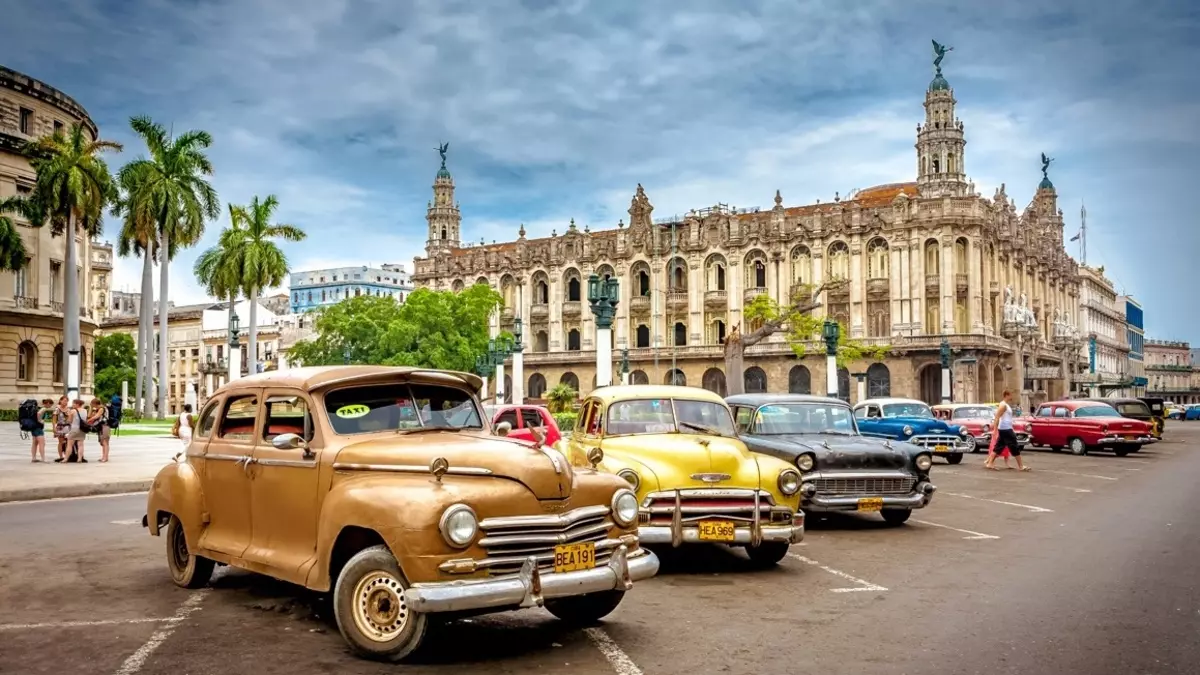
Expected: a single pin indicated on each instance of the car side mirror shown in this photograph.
(503, 428)
(292, 442)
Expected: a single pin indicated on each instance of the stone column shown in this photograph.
(948, 289)
(500, 382)
(831, 378)
(518, 376)
(209, 387)
(858, 290)
(603, 356)
(696, 287)
(896, 277)
(917, 285)
(235, 363)
(974, 283)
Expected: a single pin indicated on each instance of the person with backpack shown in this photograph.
(98, 421)
(62, 426)
(114, 412)
(30, 420)
(77, 432)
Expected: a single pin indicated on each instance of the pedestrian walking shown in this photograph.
(77, 433)
(62, 425)
(183, 426)
(98, 421)
(1006, 438)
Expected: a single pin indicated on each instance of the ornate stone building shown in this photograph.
(925, 260)
(31, 299)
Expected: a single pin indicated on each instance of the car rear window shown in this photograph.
(1137, 409)
(1095, 411)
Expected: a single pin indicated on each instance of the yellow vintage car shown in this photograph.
(696, 483)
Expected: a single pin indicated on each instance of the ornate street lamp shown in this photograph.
(235, 348)
(518, 365)
(625, 365)
(603, 297)
(830, 332)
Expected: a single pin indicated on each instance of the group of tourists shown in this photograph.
(70, 422)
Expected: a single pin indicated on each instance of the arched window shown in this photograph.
(639, 377)
(537, 385)
(541, 341)
(756, 269)
(877, 259)
(641, 277)
(714, 381)
(679, 334)
(961, 264)
(571, 278)
(457, 285)
(443, 233)
(643, 336)
(27, 362)
(714, 272)
(508, 291)
(933, 262)
(484, 281)
(605, 271)
(56, 367)
(541, 289)
(677, 275)
(570, 379)
(799, 380)
(675, 377)
(573, 340)
(716, 332)
(755, 380)
(879, 381)
(839, 261)
(801, 266)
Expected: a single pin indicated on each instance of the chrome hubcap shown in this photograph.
(380, 612)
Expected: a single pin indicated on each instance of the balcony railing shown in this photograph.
(750, 294)
(716, 299)
(677, 300)
(539, 311)
(933, 284)
(56, 306)
(961, 283)
(572, 308)
(25, 302)
(640, 304)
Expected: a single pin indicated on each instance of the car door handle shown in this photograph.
(246, 462)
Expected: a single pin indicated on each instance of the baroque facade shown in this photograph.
(926, 260)
(31, 299)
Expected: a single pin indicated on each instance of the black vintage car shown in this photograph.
(1148, 410)
(841, 470)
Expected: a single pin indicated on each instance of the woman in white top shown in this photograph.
(1006, 438)
(183, 426)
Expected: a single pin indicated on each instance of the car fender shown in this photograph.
(178, 490)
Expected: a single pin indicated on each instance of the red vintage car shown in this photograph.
(521, 420)
(1084, 426)
(977, 418)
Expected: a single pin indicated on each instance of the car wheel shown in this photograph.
(956, 458)
(972, 444)
(768, 553)
(1122, 450)
(188, 570)
(370, 609)
(1078, 447)
(896, 516)
(585, 609)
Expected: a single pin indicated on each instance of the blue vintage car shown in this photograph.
(906, 419)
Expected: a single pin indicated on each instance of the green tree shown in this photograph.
(800, 326)
(12, 247)
(220, 269)
(108, 381)
(173, 186)
(561, 398)
(115, 351)
(264, 265)
(431, 329)
(139, 236)
(72, 191)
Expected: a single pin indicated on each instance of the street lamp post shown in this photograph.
(603, 296)
(235, 347)
(830, 332)
(496, 354)
(947, 395)
(483, 367)
(518, 388)
(625, 365)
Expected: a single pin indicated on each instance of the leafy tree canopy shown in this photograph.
(108, 381)
(115, 350)
(431, 329)
(801, 328)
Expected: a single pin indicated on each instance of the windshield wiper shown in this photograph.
(834, 432)
(701, 428)
(431, 428)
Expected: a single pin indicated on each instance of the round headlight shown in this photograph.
(625, 507)
(924, 462)
(458, 525)
(789, 482)
(907, 430)
(987, 428)
(963, 432)
(631, 477)
(806, 462)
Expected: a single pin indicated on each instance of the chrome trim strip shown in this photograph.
(707, 492)
(287, 462)
(560, 520)
(225, 458)
(411, 468)
(548, 538)
(701, 509)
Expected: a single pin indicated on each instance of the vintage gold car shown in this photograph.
(387, 487)
(695, 481)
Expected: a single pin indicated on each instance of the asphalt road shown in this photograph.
(1084, 565)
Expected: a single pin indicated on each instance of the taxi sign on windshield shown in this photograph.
(351, 411)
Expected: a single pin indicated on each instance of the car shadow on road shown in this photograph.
(849, 522)
(703, 561)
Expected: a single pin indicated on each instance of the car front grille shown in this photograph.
(695, 505)
(509, 542)
(931, 441)
(864, 486)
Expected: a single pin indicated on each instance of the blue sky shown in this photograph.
(556, 110)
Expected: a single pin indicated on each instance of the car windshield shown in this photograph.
(980, 412)
(1134, 409)
(667, 416)
(400, 407)
(1095, 411)
(907, 410)
(804, 418)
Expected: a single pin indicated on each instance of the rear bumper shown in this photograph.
(919, 498)
(530, 587)
(1118, 440)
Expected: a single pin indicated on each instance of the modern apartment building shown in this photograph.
(318, 288)
(1135, 332)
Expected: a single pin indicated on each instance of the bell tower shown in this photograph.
(443, 215)
(941, 170)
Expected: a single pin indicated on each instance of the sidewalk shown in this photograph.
(133, 463)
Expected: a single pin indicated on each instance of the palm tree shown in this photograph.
(221, 268)
(72, 190)
(174, 187)
(12, 247)
(139, 236)
(265, 265)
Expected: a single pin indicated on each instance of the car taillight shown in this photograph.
(1104, 428)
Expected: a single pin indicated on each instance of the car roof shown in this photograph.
(956, 406)
(623, 392)
(1110, 401)
(887, 400)
(763, 399)
(317, 377)
(1076, 403)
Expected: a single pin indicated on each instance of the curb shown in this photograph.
(80, 490)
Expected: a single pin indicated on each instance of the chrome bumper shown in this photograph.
(1118, 440)
(531, 587)
(689, 534)
(954, 444)
(919, 498)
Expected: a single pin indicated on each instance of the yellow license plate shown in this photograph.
(870, 504)
(716, 530)
(941, 448)
(574, 557)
